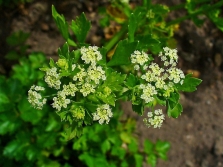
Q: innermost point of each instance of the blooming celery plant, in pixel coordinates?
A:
(84, 87)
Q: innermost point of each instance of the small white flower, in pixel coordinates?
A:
(52, 78)
(35, 98)
(60, 101)
(148, 92)
(96, 74)
(139, 57)
(155, 119)
(87, 88)
(103, 114)
(90, 55)
(70, 89)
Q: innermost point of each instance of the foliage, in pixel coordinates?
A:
(84, 86)
(18, 48)
(30, 137)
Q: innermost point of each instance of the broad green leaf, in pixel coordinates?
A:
(174, 112)
(80, 27)
(190, 83)
(151, 159)
(122, 53)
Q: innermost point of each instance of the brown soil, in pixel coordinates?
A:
(196, 137)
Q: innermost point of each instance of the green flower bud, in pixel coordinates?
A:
(78, 112)
(62, 63)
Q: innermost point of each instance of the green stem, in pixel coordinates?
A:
(199, 11)
(116, 38)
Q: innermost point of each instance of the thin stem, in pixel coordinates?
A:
(199, 11)
(116, 38)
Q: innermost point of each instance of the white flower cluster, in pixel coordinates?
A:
(158, 79)
(139, 58)
(60, 101)
(90, 55)
(148, 92)
(35, 98)
(103, 114)
(154, 119)
(52, 78)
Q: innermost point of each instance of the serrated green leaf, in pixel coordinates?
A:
(122, 53)
(190, 83)
(174, 112)
(131, 81)
(62, 26)
(114, 80)
(80, 27)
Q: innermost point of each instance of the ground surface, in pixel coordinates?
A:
(196, 137)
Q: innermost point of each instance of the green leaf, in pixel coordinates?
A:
(133, 146)
(118, 151)
(122, 53)
(174, 112)
(62, 26)
(105, 146)
(190, 83)
(126, 137)
(138, 160)
(132, 27)
(151, 159)
(148, 146)
(80, 27)
(148, 42)
(114, 80)
(162, 147)
(138, 108)
(131, 81)
(17, 38)
(28, 113)
(4, 102)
